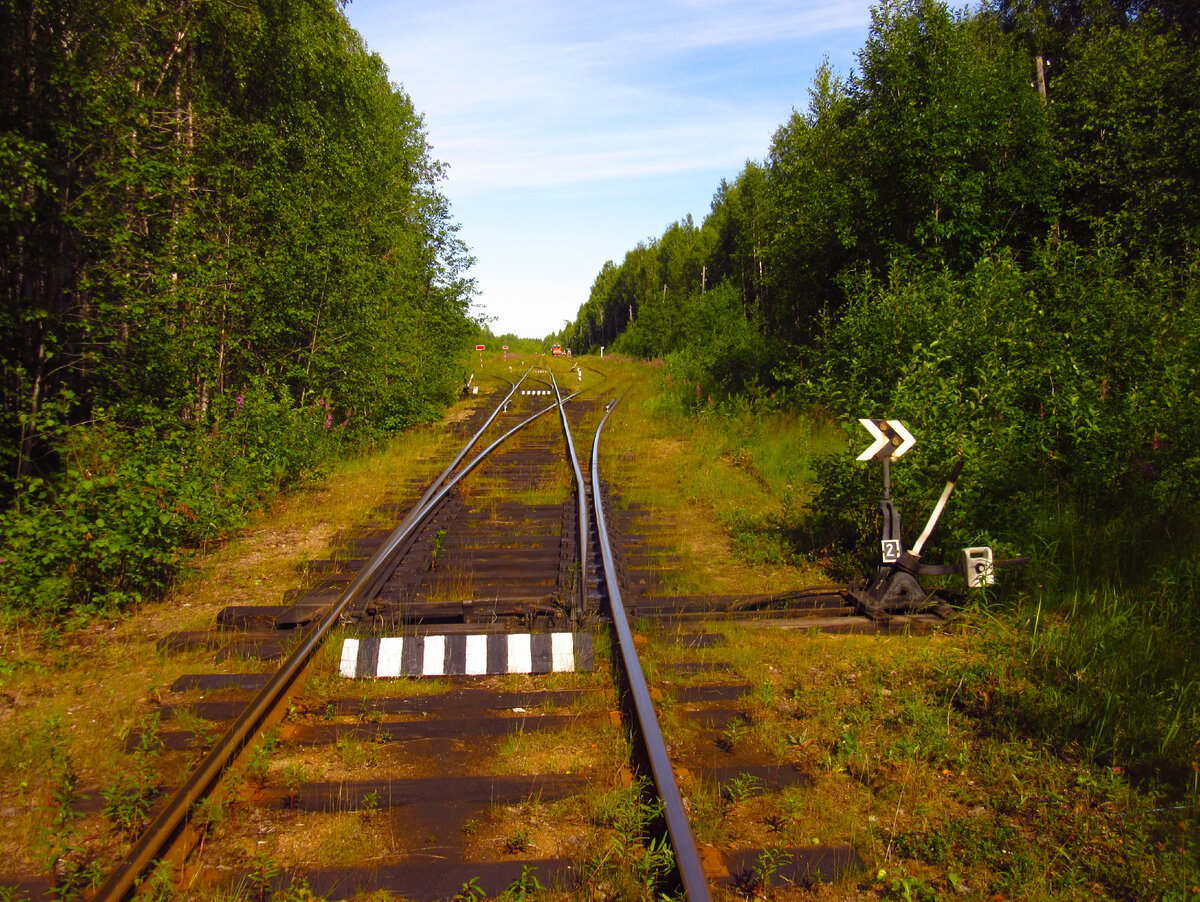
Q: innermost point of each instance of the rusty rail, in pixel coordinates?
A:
(581, 608)
(161, 832)
(687, 856)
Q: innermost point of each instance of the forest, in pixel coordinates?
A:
(225, 258)
(989, 229)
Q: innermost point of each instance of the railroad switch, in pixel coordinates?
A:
(896, 588)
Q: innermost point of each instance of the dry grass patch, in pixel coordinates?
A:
(100, 681)
(581, 747)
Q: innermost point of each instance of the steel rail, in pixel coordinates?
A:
(436, 484)
(374, 580)
(581, 493)
(687, 855)
(159, 833)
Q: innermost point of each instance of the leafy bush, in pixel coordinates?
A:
(721, 357)
(1067, 383)
(113, 527)
(1069, 387)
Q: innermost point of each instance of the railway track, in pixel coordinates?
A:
(524, 745)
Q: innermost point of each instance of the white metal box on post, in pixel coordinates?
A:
(978, 567)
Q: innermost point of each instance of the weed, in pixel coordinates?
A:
(471, 892)
(512, 744)
(258, 765)
(766, 693)
(777, 822)
(524, 886)
(626, 811)
(357, 754)
(517, 843)
(72, 866)
(127, 806)
(630, 853)
(733, 733)
(204, 737)
(904, 888)
(263, 870)
(296, 891)
(210, 813)
(438, 547)
(294, 776)
(755, 882)
(127, 802)
(657, 862)
(742, 787)
(159, 886)
(768, 864)
(369, 803)
(368, 713)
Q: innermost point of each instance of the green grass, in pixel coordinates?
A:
(1110, 674)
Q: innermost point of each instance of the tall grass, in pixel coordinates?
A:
(1101, 673)
(1126, 671)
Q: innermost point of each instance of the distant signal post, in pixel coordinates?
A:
(480, 349)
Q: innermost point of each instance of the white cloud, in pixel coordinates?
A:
(534, 100)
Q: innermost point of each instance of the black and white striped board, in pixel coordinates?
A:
(467, 655)
(536, 391)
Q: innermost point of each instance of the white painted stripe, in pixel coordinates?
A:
(476, 655)
(520, 655)
(435, 656)
(390, 651)
(350, 658)
(562, 652)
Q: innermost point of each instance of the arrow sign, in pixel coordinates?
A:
(891, 439)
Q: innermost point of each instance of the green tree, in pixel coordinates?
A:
(1127, 118)
(818, 196)
(224, 254)
(953, 140)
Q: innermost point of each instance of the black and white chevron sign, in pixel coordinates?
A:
(891, 439)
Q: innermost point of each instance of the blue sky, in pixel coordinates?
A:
(573, 130)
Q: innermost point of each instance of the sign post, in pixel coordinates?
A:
(891, 439)
(480, 348)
